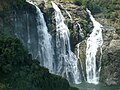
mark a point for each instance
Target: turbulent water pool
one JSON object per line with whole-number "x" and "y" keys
{"x": 86, "y": 86}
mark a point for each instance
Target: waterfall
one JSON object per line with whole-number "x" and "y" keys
{"x": 78, "y": 45}
{"x": 60, "y": 60}
{"x": 81, "y": 34}
{"x": 78, "y": 50}
{"x": 66, "y": 12}
{"x": 28, "y": 29}
{"x": 44, "y": 48}
{"x": 94, "y": 42}
{"x": 67, "y": 62}
{"x": 69, "y": 15}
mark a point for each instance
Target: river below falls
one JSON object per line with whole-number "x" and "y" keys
{"x": 87, "y": 86}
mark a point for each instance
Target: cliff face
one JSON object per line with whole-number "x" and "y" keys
{"x": 110, "y": 63}
{"x": 18, "y": 21}
{"x": 16, "y": 17}
{"x": 111, "y": 59}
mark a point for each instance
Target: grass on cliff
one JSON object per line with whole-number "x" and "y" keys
{"x": 19, "y": 72}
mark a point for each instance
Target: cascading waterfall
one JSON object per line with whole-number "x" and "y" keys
{"x": 78, "y": 45}
{"x": 81, "y": 34}
{"x": 67, "y": 63}
{"x": 94, "y": 42}
{"x": 28, "y": 29}
{"x": 78, "y": 50}
{"x": 38, "y": 41}
{"x": 45, "y": 50}
{"x": 69, "y": 15}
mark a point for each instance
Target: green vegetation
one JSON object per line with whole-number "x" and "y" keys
{"x": 81, "y": 2}
{"x": 108, "y": 7}
{"x": 97, "y": 6}
{"x": 19, "y": 72}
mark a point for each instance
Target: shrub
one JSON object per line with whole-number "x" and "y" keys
{"x": 20, "y": 72}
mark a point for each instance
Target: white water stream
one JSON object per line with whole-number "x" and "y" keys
{"x": 67, "y": 60}
{"x": 94, "y": 43}
{"x": 45, "y": 50}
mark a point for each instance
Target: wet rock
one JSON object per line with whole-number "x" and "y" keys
{"x": 110, "y": 82}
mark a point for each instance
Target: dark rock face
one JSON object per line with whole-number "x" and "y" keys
{"x": 12, "y": 18}
{"x": 22, "y": 23}
{"x": 19, "y": 22}
{"x": 25, "y": 28}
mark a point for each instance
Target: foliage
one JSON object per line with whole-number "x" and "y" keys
{"x": 108, "y": 7}
{"x": 80, "y": 2}
{"x": 19, "y": 72}
{"x": 97, "y": 6}
{"x": 68, "y": 0}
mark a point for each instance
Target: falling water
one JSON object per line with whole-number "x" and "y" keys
{"x": 45, "y": 50}
{"x": 67, "y": 61}
{"x": 81, "y": 34}
{"x": 67, "y": 12}
{"x": 94, "y": 42}
{"x": 69, "y": 15}
{"x": 78, "y": 45}
{"x": 78, "y": 50}
{"x": 28, "y": 29}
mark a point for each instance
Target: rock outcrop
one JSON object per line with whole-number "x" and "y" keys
{"x": 111, "y": 54}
